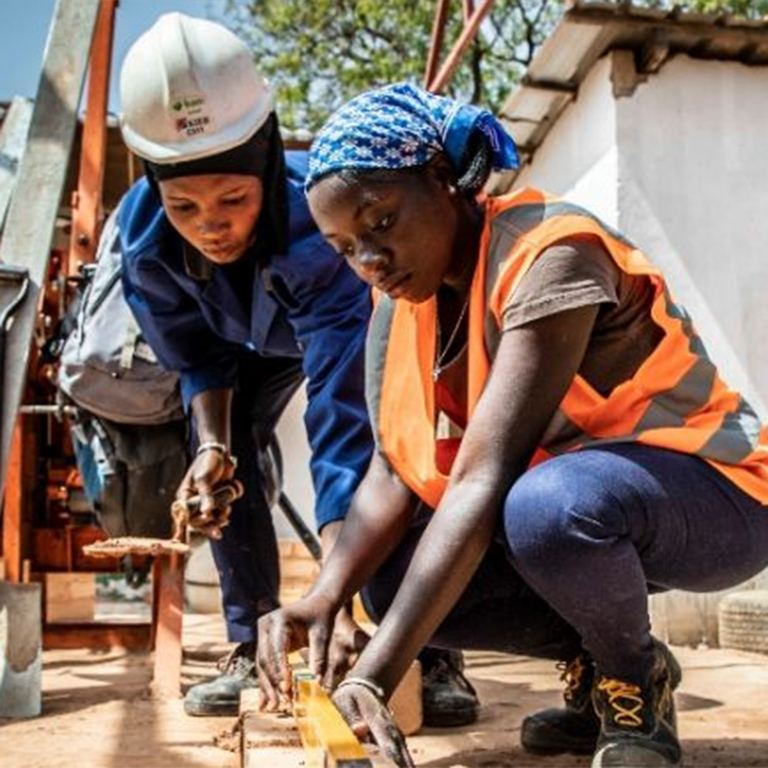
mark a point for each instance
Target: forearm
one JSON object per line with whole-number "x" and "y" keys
{"x": 378, "y": 518}
{"x": 329, "y": 536}
{"x": 211, "y": 412}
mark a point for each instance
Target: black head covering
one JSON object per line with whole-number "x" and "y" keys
{"x": 261, "y": 155}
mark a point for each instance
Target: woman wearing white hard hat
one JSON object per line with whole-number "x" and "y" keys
{"x": 234, "y": 288}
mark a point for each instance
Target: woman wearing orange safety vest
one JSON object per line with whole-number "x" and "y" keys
{"x": 554, "y": 442}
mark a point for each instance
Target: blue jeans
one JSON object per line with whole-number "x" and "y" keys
{"x": 246, "y": 556}
{"x": 583, "y": 539}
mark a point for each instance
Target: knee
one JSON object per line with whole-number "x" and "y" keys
{"x": 552, "y": 512}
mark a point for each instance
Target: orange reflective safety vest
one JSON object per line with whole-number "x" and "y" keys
{"x": 675, "y": 400}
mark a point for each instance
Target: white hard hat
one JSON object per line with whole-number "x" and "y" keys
{"x": 189, "y": 89}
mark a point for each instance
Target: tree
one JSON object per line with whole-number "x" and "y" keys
{"x": 749, "y": 9}
{"x": 321, "y": 53}
{"x": 318, "y": 54}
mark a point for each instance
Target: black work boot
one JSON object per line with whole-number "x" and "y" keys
{"x": 572, "y": 728}
{"x": 221, "y": 696}
{"x": 448, "y": 698}
{"x": 638, "y": 726}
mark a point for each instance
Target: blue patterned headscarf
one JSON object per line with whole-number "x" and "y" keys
{"x": 402, "y": 126}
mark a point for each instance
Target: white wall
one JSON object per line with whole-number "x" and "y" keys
{"x": 578, "y": 159}
{"x": 693, "y": 192}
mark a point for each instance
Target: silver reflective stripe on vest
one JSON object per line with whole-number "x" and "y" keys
{"x": 738, "y": 434}
{"x": 377, "y": 343}
{"x": 507, "y": 228}
{"x": 736, "y": 438}
{"x": 677, "y": 312}
{"x": 504, "y": 237}
{"x": 690, "y": 394}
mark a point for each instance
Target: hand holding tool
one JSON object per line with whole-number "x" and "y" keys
{"x": 185, "y": 511}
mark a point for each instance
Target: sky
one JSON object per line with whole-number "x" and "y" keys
{"x": 24, "y": 30}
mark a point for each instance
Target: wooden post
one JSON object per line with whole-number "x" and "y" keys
{"x": 169, "y": 573}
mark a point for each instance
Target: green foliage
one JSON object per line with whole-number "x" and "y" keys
{"x": 749, "y": 9}
{"x": 320, "y": 53}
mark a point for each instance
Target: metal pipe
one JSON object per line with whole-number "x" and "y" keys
{"x": 436, "y": 45}
{"x": 466, "y": 37}
{"x": 48, "y": 410}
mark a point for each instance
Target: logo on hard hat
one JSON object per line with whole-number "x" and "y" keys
{"x": 190, "y": 104}
{"x": 192, "y": 126}
{"x": 193, "y": 122}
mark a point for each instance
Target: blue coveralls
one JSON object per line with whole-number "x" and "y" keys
{"x": 260, "y": 330}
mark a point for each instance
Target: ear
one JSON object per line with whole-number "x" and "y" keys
{"x": 442, "y": 171}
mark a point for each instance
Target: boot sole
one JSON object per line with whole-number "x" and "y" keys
{"x": 634, "y": 756}
{"x": 199, "y": 709}
{"x": 550, "y": 741}
{"x": 454, "y": 718}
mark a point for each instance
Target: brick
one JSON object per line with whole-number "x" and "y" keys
{"x": 69, "y": 597}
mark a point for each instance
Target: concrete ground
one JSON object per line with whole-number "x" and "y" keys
{"x": 97, "y": 713}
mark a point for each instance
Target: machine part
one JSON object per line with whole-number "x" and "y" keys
{"x": 13, "y": 137}
{"x": 58, "y": 411}
{"x": 21, "y": 651}
{"x": 271, "y": 464}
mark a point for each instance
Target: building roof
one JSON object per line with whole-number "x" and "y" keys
{"x": 589, "y": 30}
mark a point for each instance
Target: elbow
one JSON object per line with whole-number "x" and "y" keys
{"x": 483, "y": 482}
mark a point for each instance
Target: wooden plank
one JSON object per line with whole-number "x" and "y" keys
{"x": 452, "y": 61}
{"x": 31, "y": 218}
{"x": 406, "y": 702}
{"x": 267, "y": 739}
{"x": 169, "y": 576}
{"x": 13, "y": 138}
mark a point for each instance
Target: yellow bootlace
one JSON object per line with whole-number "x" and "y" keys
{"x": 571, "y": 673}
{"x": 625, "y": 699}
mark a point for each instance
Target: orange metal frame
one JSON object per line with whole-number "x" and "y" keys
{"x": 87, "y": 210}
{"x": 435, "y": 80}
{"x": 28, "y": 549}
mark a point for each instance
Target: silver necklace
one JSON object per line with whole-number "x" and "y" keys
{"x": 440, "y": 351}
